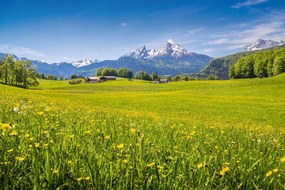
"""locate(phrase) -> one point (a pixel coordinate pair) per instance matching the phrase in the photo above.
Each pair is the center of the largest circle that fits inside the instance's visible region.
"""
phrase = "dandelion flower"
(160, 167)
(14, 133)
(268, 173)
(224, 170)
(40, 113)
(201, 165)
(125, 161)
(87, 178)
(120, 146)
(107, 137)
(133, 131)
(37, 145)
(5, 126)
(275, 170)
(282, 159)
(79, 179)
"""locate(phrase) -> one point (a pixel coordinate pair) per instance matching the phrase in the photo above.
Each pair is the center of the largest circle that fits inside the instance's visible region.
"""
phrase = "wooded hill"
(220, 67)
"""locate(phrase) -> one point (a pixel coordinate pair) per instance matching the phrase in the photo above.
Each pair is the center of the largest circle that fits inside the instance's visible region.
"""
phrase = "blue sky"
(69, 30)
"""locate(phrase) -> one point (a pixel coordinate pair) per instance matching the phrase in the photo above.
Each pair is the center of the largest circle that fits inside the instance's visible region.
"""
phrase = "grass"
(138, 135)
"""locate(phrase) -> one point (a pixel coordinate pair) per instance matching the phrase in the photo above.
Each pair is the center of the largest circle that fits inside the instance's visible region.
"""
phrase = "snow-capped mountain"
(171, 60)
(85, 62)
(171, 49)
(263, 44)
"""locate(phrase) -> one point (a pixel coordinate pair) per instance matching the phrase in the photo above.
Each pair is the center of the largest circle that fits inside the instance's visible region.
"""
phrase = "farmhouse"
(104, 78)
(92, 79)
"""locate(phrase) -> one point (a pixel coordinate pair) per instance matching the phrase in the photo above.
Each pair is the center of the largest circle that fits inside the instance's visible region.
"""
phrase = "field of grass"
(138, 135)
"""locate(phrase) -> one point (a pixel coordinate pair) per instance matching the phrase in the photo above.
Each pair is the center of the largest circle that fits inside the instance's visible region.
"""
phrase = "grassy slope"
(234, 102)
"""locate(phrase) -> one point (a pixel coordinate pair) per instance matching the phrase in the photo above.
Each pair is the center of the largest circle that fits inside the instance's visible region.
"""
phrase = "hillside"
(220, 66)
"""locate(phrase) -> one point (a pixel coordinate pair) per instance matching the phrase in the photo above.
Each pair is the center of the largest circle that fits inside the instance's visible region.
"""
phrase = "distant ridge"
(263, 44)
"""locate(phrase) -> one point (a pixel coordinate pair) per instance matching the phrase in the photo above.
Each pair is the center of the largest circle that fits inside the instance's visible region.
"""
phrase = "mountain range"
(171, 59)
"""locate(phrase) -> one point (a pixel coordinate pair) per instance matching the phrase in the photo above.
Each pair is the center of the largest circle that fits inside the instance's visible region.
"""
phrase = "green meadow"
(139, 135)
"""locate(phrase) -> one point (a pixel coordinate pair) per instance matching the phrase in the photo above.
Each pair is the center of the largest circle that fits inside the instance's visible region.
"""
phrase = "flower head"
(120, 146)
(6, 126)
(225, 169)
(268, 173)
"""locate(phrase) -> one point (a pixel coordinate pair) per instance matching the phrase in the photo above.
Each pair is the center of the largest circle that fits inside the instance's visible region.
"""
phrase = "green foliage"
(125, 73)
(106, 72)
(18, 72)
(279, 65)
(220, 66)
(142, 75)
(261, 64)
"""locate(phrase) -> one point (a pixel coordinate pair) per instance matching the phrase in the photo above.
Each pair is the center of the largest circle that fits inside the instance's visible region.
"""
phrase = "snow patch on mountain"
(171, 49)
(84, 62)
(263, 44)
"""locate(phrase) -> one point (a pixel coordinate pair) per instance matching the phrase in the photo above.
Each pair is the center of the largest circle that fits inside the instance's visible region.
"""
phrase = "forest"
(262, 64)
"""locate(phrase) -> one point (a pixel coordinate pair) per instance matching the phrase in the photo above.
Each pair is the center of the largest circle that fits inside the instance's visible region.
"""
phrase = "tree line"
(122, 72)
(17, 72)
(262, 64)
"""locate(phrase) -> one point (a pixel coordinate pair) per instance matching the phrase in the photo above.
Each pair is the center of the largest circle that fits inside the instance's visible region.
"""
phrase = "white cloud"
(21, 51)
(235, 38)
(248, 3)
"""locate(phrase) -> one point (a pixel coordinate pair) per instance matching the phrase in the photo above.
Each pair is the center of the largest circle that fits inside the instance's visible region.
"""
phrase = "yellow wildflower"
(14, 133)
(37, 145)
(125, 161)
(160, 167)
(40, 113)
(27, 135)
(282, 159)
(120, 146)
(5, 126)
(275, 170)
(201, 165)
(107, 137)
(133, 131)
(268, 173)
(10, 150)
(87, 178)
(45, 145)
(79, 179)
(224, 170)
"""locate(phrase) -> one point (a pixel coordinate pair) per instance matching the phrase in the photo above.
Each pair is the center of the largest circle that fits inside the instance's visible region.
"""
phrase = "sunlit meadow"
(138, 135)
